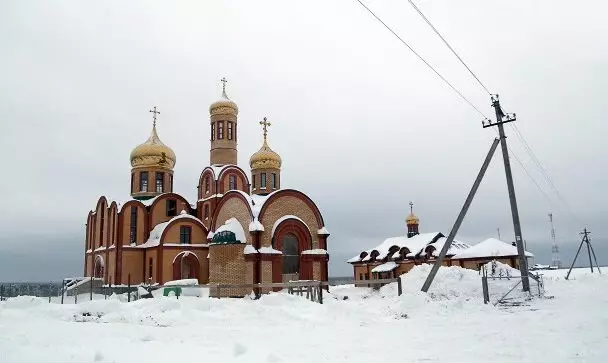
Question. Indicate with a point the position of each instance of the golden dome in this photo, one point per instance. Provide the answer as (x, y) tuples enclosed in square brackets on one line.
[(224, 105), (153, 153), (265, 158), (412, 219)]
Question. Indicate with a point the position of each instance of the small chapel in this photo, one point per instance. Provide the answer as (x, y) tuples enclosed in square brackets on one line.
[(244, 227)]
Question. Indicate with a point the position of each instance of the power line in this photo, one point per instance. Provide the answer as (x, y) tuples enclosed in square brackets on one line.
[(422, 59), (449, 46), (543, 171)]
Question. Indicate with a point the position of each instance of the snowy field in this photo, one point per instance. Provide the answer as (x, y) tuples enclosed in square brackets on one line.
[(449, 325)]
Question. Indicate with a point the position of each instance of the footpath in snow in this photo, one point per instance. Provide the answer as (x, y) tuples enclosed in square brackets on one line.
[(450, 324)]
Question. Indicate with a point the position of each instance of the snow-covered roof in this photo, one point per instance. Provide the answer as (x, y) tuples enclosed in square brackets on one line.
[(316, 251), (283, 218), (157, 231), (490, 247), (455, 248), (415, 244), (385, 267), (234, 226)]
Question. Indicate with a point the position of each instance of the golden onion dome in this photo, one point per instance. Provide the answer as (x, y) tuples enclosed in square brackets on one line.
[(224, 106), (412, 219), (153, 153), (265, 158)]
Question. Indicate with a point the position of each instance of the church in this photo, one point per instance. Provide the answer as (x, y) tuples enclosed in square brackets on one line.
[(242, 229), (398, 255)]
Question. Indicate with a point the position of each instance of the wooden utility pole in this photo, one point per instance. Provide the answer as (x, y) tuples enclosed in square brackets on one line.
[(501, 119)]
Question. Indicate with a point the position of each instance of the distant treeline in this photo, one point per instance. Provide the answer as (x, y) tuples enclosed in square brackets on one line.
[(40, 289)]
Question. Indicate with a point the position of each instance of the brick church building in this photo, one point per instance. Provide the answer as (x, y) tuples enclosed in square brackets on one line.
[(242, 228)]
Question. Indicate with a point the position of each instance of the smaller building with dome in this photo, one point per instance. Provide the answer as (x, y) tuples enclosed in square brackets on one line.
[(240, 230), (398, 255)]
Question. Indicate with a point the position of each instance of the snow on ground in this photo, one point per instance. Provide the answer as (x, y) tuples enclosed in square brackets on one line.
[(451, 324)]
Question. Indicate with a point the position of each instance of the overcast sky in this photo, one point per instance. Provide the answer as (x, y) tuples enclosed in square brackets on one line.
[(362, 125)]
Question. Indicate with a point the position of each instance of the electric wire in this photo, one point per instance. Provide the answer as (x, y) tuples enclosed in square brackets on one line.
[(422, 59), (449, 46), (519, 135)]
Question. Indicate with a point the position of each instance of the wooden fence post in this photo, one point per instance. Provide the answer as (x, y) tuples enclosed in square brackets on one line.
[(320, 292), (129, 288), (91, 287), (62, 290), (399, 288), (1, 292), (50, 293)]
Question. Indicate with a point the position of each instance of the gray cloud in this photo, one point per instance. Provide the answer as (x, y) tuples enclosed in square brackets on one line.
[(362, 126)]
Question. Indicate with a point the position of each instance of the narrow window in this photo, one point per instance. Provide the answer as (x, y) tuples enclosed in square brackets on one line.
[(207, 182), (171, 207), (212, 131), (170, 182), (150, 268), (133, 225), (143, 181), (185, 234), (273, 180), (232, 182), (206, 211), (102, 225), (229, 130), (220, 130), (263, 181), (132, 182), (160, 182), (253, 181), (361, 276)]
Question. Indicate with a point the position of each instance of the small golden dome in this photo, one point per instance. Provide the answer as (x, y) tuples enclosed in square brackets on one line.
[(412, 219), (153, 153), (224, 105), (265, 158)]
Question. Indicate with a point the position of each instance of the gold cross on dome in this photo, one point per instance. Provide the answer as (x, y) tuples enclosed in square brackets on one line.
[(265, 125), (155, 112), (411, 207), (224, 81)]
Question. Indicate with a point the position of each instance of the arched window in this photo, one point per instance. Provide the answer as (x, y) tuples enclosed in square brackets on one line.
[(291, 255), (232, 182), (207, 182)]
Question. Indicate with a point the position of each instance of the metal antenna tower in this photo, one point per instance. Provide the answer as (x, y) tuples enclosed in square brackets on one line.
[(555, 261)]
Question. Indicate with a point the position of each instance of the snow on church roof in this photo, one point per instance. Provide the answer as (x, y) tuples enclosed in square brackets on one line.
[(234, 226), (415, 244), (157, 231), (490, 247), (455, 248)]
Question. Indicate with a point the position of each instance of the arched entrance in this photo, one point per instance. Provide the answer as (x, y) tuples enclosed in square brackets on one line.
[(291, 237), (186, 266), (291, 257), (98, 267)]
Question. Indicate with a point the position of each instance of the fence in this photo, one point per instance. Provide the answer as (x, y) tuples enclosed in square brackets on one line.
[(88, 288), (498, 284)]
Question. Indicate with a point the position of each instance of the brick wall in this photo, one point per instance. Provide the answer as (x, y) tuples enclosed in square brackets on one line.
[(288, 205), (235, 208), (227, 266)]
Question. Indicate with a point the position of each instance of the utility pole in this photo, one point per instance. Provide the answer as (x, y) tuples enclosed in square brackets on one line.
[(590, 250), (555, 262), (498, 230), (461, 215), (501, 119)]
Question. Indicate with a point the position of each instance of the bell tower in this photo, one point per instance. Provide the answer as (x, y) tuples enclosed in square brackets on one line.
[(223, 117)]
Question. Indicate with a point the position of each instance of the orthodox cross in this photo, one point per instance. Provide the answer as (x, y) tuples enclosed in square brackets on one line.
[(224, 81), (412, 207), (155, 112), (265, 124)]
